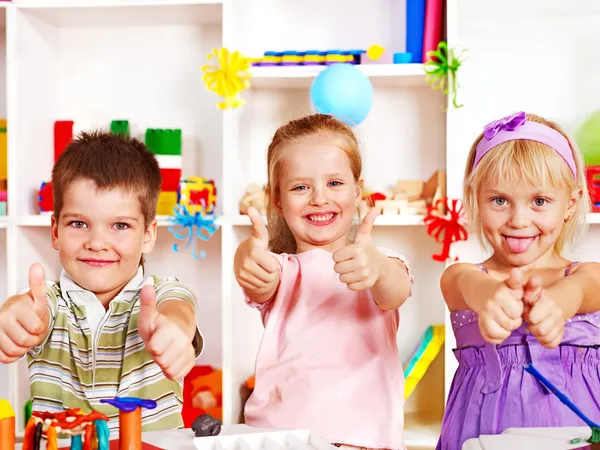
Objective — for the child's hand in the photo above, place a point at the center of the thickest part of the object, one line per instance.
(360, 265)
(24, 318)
(545, 318)
(256, 270)
(501, 313)
(168, 344)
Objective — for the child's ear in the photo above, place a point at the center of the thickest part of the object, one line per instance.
(360, 189)
(149, 237)
(54, 231)
(575, 198)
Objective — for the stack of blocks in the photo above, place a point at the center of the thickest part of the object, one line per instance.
(166, 145)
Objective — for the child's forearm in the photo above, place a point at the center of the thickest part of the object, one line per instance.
(475, 287)
(181, 313)
(393, 287)
(578, 293)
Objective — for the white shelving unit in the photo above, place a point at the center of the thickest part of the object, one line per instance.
(93, 61)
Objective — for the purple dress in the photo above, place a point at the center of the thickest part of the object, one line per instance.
(491, 392)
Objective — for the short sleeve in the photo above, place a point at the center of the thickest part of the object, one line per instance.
(261, 306)
(171, 289)
(393, 254)
(52, 295)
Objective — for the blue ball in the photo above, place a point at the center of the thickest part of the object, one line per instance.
(343, 91)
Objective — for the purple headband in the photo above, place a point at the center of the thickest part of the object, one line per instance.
(516, 126)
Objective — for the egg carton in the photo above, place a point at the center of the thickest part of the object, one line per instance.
(275, 440)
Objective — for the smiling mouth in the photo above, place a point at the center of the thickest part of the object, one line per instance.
(321, 219)
(519, 244)
(97, 262)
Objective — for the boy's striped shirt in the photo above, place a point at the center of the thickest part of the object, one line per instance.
(75, 367)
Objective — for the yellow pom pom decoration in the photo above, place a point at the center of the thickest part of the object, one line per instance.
(375, 52)
(228, 77)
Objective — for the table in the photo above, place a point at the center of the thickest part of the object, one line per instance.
(531, 438)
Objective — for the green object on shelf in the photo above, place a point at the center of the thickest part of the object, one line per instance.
(441, 68)
(120, 127)
(164, 141)
(588, 139)
(28, 411)
(2, 208)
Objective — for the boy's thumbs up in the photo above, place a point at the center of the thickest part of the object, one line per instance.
(148, 314)
(37, 289)
(363, 233)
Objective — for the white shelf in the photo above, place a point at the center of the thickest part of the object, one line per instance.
(3, 222)
(421, 430)
(382, 220)
(294, 77)
(115, 13)
(594, 218)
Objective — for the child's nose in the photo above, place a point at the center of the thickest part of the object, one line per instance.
(519, 217)
(96, 241)
(319, 197)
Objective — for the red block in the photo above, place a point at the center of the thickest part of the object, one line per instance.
(63, 134)
(593, 182)
(171, 179)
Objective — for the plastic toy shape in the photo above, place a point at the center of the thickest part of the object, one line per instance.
(206, 425)
(228, 77)
(130, 420)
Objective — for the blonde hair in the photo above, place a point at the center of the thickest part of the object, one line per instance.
(536, 163)
(320, 125)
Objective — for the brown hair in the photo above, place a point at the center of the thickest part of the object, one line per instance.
(110, 161)
(536, 163)
(321, 125)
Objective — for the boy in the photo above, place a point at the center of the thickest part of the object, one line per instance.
(105, 329)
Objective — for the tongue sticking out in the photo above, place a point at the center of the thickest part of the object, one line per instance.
(518, 245)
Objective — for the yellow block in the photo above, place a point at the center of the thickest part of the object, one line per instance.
(166, 203)
(6, 410)
(3, 151)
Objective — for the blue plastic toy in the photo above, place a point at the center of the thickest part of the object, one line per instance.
(343, 91)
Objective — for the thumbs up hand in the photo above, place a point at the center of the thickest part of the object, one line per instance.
(360, 265)
(168, 344)
(256, 270)
(24, 318)
(501, 312)
(545, 317)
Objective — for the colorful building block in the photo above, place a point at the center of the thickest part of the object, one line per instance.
(164, 141)
(170, 179)
(63, 134)
(198, 195)
(45, 199)
(166, 203)
(120, 127)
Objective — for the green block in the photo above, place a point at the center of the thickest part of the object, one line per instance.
(120, 127)
(2, 208)
(164, 141)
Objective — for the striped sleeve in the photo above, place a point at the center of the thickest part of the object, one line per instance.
(171, 289)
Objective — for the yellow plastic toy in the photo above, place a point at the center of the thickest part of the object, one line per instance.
(428, 348)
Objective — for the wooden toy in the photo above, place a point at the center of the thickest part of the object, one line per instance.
(254, 196)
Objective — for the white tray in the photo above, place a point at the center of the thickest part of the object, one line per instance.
(272, 440)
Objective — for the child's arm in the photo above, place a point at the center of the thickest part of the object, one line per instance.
(579, 293)
(497, 303)
(168, 328)
(256, 270)
(24, 318)
(362, 266)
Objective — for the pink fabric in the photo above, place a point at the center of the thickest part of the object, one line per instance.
(328, 360)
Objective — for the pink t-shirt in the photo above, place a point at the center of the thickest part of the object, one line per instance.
(328, 359)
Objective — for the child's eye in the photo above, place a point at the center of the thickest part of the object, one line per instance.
(499, 201)
(121, 226)
(77, 224)
(335, 183)
(299, 188)
(540, 201)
